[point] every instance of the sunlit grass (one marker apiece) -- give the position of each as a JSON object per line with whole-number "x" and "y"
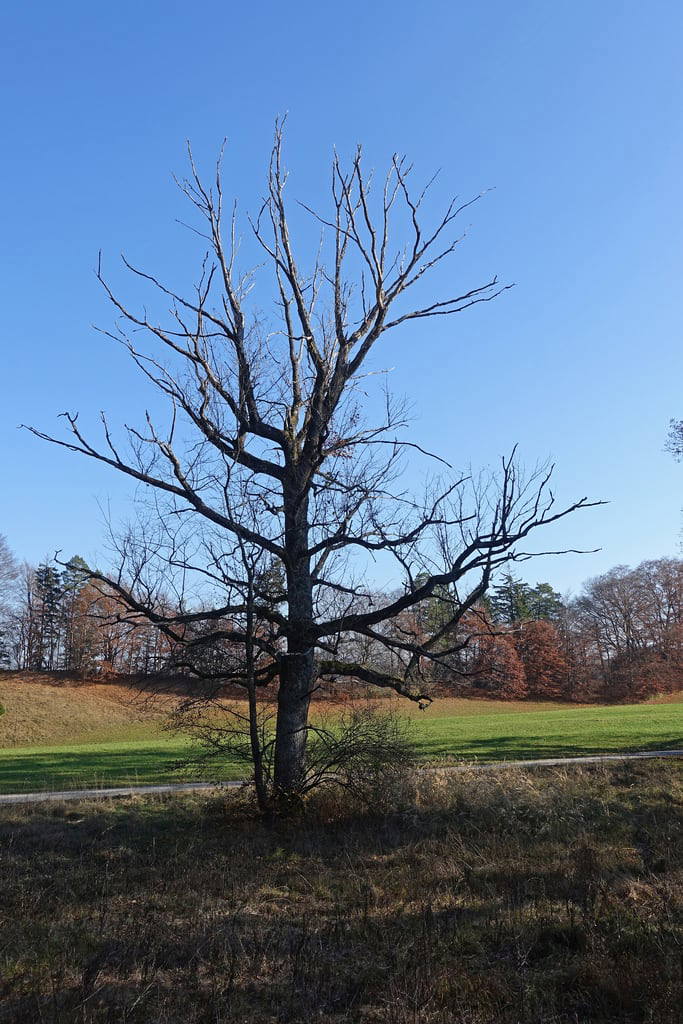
{"x": 448, "y": 731}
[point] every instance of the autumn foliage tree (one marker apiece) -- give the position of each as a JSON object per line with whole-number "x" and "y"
{"x": 545, "y": 667}
{"x": 496, "y": 668}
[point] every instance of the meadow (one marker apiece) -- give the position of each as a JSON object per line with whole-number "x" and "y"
{"x": 549, "y": 897}
{"x": 58, "y": 736}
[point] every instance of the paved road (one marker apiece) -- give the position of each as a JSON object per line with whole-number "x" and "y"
{"x": 190, "y": 787}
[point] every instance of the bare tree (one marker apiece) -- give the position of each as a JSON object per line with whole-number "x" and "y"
{"x": 630, "y": 623}
{"x": 267, "y": 449}
{"x": 9, "y": 569}
{"x": 674, "y": 440}
{"x": 9, "y": 576}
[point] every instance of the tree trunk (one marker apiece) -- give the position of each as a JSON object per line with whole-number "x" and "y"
{"x": 297, "y": 671}
{"x": 254, "y": 737}
{"x": 294, "y": 697}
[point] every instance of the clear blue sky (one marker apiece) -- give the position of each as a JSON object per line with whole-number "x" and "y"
{"x": 571, "y": 111}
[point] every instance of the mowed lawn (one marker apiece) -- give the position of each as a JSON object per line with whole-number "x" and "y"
{"x": 139, "y": 751}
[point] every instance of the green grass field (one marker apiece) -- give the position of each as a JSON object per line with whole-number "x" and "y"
{"x": 449, "y": 730}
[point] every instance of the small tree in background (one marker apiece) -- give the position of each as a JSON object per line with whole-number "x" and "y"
{"x": 9, "y": 576}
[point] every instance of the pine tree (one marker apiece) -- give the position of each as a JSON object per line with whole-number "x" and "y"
{"x": 510, "y": 600}
{"x": 78, "y": 639}
{"x": 47, "y": 600}
{"x": 545, "y": 603}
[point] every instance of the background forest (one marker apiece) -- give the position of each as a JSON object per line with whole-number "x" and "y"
{"x": 620, "y": 638}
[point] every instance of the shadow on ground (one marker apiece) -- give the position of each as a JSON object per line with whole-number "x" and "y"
{"x": 82, "y": 767}
{"x": 508, "y": 897}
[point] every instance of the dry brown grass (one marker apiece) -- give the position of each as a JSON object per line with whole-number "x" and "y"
{"x": 511, "y": 898}
{"x": 43, "y": 709}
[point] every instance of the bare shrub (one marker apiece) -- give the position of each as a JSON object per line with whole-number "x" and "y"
{"x": 363, "y": 751}
{"x": 366, "y": 752}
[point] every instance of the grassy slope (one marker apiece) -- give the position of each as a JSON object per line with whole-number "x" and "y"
{"x": 77, "y": 749}
{"x": 42, "y": 710}
{"x": 549, "y": 898}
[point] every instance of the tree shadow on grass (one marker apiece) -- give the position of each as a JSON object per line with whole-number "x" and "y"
{"x": 84, "y": 767}
{"x": 87, "y": 768}
{"x": 261, "y": 967}
{"x": 176, "y": 910}
{"x": 519, "y": 748}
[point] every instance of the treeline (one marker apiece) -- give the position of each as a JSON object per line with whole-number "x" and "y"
{"x": 52, "y": 619}
{"x": 620, "y": 639}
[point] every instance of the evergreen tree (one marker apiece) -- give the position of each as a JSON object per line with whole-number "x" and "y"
{"x": 77, "y": 631}
{"x": 545, "y": 603}
{"x": 270, "y": 585}
{"x": 47, "y": 599}
{"x": 511, "y": 601}
{"x": 432, "y": 614}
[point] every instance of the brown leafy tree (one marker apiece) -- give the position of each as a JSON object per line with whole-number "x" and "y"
{"x": 497, "y": 668}
{"x": 266, "y": 448}
{"x": 545, "y": 667}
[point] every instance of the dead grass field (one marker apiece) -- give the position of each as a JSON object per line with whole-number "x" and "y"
{"x": 42, "y": 709}
{"x": 553, "y": 897}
